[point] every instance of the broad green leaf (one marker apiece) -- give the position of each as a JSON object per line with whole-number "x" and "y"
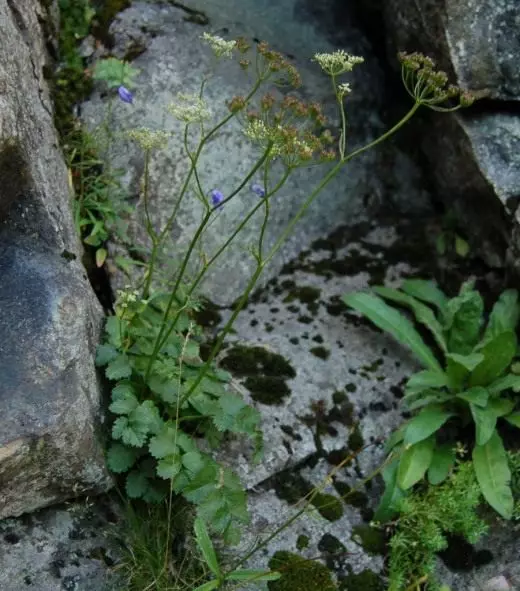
{"x": 136, "y": 484}
{"x": 209, "y": 586}
{"x": 114, "y": 72}
{"x": 442, "y": 463}
{"x": 101, "y": 256}
{"x": 119, "y": 368}
{"x": 128, "y": 432}
{"x": 423, "y": 380}
{"x": 422, "y": 313}
{"x": 115, "y": 328}
{"x": 477, "y": 395}
{"x": 253, "y": 575}
{"x": 508, "y": 382}
{"x": 390, "y": 320}
{"x": 464, "y": 320}
{"x": 206, "y": 547}
{"x": 494, "y": 476}
{"x": 504, "y": 316}
{"x": 461, "y": 247}
{"x": 513, "y": 419}
{"x": 164, "y": 443}
{"x": 169, "y": 466}
{"x": 459, "y": 367}
{"x": 427, "y": 291}
{"x": 498, "y": 354}
{"x": 427, "y": 398}
{"x": 389, "y": 503}
{"x": 105, "y": 354}
{"x": 120, "y": 458}
{"x": 414, "y": 462}
{"x": 396, "y": 437}
{"x": 485, "y": 423}
{"x": 146, "y": 415}
{"x": 427, "y": 422}
{"x": 501, "y": 406}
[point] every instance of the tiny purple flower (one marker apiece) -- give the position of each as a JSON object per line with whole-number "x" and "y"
{"x": 258, "y": 189}
{"x": 216, "y": 198}
{"x": 125, "y": 95}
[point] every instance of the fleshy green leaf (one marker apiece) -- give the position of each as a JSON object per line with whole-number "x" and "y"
{"x": 501, "y": 406}
{"x": 498, "y": 354}
{"x": 390, "y": 320}
{"x": 458, "y": 367}
{"x": 426, "y": 398}
{"x": 442, "y": 463}
{"x": 513, "y": 419}
{"x": 119, "y": 368}
{"x": 389, "y": 504}
{"x": 485, "y": 423}
{"x": 253, "y": 575}
{"x": 510, "y": 381}
{"x": 427, "y": 422}
{"x": 120, "y": 458}
{"x": 415, "y": 460}
{"x": 427, "y": 291}
{"x": 477, "y": 395}
{"x": 206, "y": 546}
{"x": 464, "y": 320}
{"x": 494, "y": 476}
{"x": 105, "y": 354}
{"x": 423, "y": 380}
{"x": 422, "y": 313}
{"x": 504, "y": 316}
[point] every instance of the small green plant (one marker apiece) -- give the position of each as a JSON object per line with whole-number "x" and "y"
{"x": 426, "y": 517}
{"x": 473, "y": 383}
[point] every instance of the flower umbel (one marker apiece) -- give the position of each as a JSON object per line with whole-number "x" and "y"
{"x": 148, "y": 139}
{"x": 337, "y": 62}
{"x": 220, "y": 47}
{"x": 217, "y": 197}
{"x": 125, "y": 95}
{"x": 189, "y": 108}
{"x": 344, "y": 89}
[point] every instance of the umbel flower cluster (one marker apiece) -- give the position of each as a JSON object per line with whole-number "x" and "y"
{"x": 429, "y": 86}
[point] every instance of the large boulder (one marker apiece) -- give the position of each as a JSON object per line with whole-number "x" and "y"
{"x": 474, "y": 156}
{"x": 50, "y": 321}
{"x": 175, "y": 61}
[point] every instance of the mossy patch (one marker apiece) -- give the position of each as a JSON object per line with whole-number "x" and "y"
{"x": 371, "y": 539}
{"x": 356, "y": 498}
{"x": 366, "y": 580}
{"x": 328, "y": 506}
{"x": 14, "y": 174}
{"x": 208, "y": 315}
{"x": 299, "y": 574}
{"x": 307, "y": 295}
{"x": 355, "y": 440}
{"x": 320, "y": 352}
{"x": 302, "y": 542}
{"x": 265, "y": 372}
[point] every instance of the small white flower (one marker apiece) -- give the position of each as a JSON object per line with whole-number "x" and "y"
{"x": 337, "y": 62}
{"x": 189, "y": 108}
{"x": 148, "y": 139}
{"x": 344, "y": 89}
{"x": 220, "y": 47}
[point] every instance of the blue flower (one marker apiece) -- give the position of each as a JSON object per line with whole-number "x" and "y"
{"x": 216, "y": 198}
{"x": 125, "y": 95}
{"x": 258, "y": 189}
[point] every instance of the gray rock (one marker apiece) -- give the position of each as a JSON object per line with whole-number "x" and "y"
{"x": 50, "y": 322}
{"x": 475, "y": 39}
{"x": 175, "y": 61}
{"x": 62, "y": 548}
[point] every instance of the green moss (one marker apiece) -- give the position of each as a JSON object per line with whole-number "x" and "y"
{"x": 356, "y": 498}
{"x": 267, "y": 389}
{"x": 339, "y": 397}
{"x": 329, "y": 544}
{"x": 355, "y": 440}
{"x": 14, "y": 175}
{"x": 305, "y": 294}
{"x": 364, "y": 581}
{"x": 321, "y": 352}
{"x": 300, "y": 574}
{"x": 351, "y": 387}
{"x": 302, "y": 542}
{"x": 208, "y": 315}
{"x": 328, "y": 506}
{"x": 371, "y": 539}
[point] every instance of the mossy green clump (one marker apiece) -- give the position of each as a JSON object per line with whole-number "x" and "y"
{"x": 364, "y": 581}
{"x": 299, "y": 574}
{"x": 208, "y": 315}
{"x": 302, "y": 542}
{"x": 265, "y": 372}
{"x": 307, "y": 295}
{"x": 355, "y": 498}
{"x": 370, "y": 538}
{"x": 321, "y": 352}
{"x": 330, "y": 545}
{"x": 355, "y": 440}
{"x": 339, "y": 397}
{"x": 328, "y": 506}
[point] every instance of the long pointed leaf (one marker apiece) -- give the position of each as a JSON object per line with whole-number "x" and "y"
{"x": 415, "y": 460}
{"x": 209, "y": 586}
{"x": 391, "y": 321}
{"x": 498, "y": 354}
{"x": 206, "y": 547}
{"x": 388, "y": 505}
{"x": 427, "y": 291}
{"x": 494, "y": 476}
{"x": 253, "y": 575}
{"x": 427, "y": 422}
{"x": 504, "y": 316}
{"x": 442, "y": 463}
{"x": 422, "y": 313}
